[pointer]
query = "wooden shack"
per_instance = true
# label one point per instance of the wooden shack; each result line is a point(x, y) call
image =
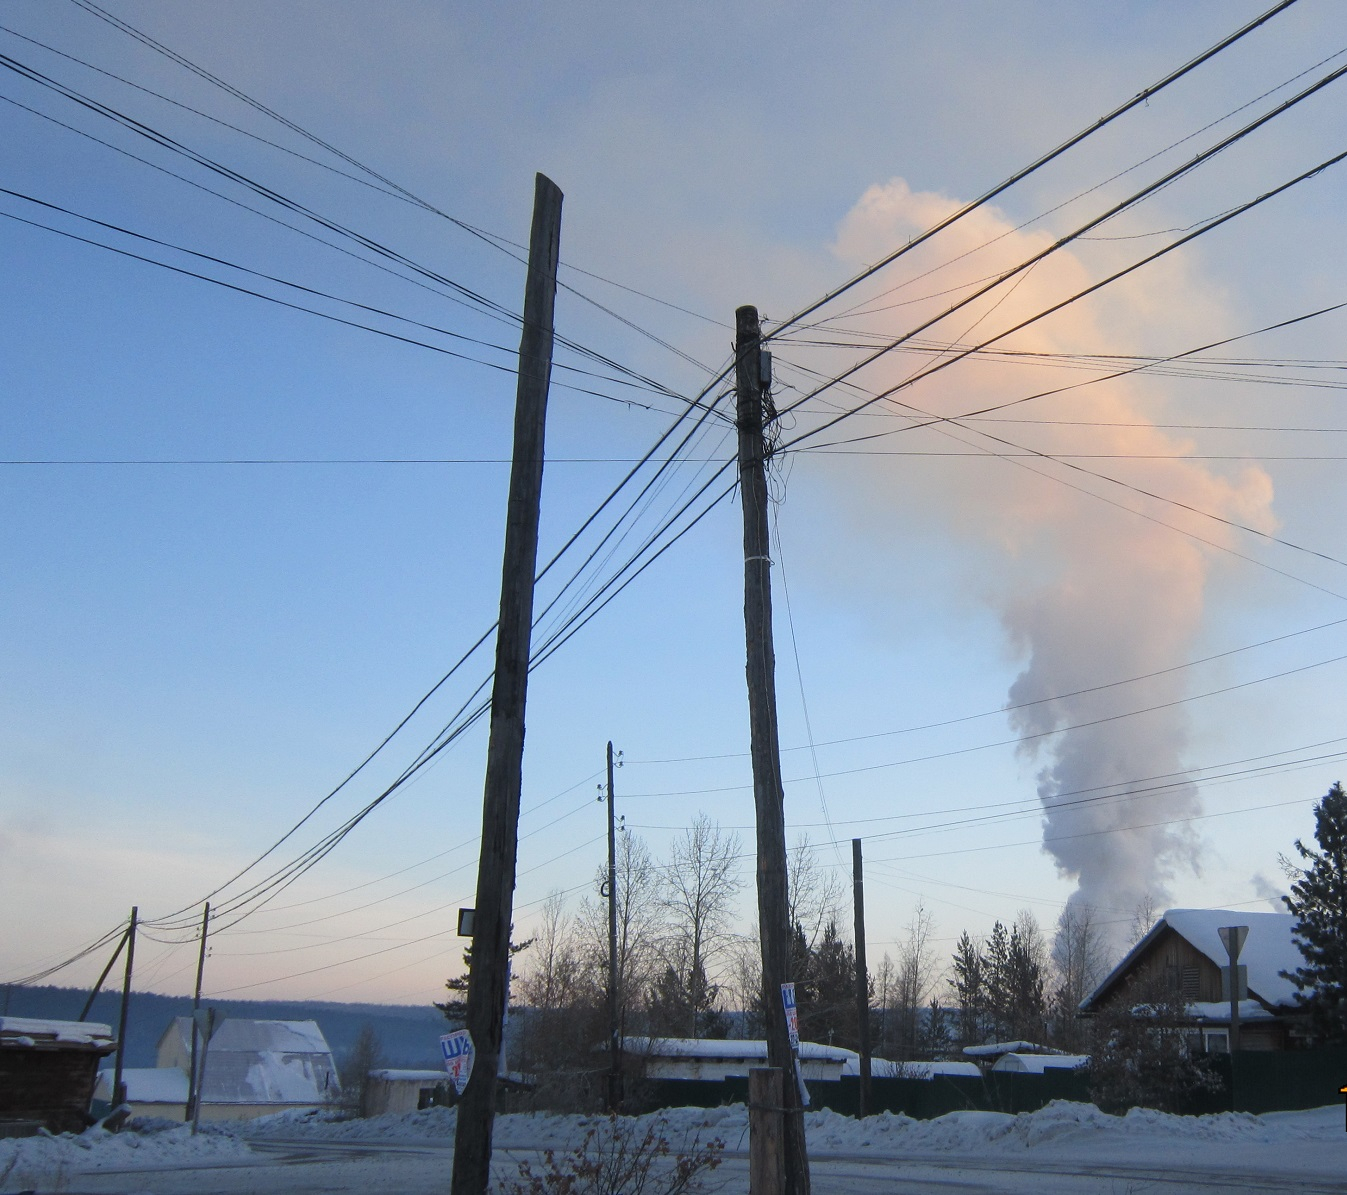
point(48, 1070)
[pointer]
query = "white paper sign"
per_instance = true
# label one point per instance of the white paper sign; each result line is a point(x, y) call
point(792, 1017)
point(459, 1053)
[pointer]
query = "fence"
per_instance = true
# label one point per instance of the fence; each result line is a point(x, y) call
point(1255, 1081)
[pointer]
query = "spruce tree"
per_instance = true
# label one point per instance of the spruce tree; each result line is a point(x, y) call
point(1319, 901)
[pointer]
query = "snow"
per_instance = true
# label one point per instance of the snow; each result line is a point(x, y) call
point(395, 1076)
point(882, 1068)
point(997, 1048)
point(1036, 1064)
point(1219, 1011)
point(74, 1032)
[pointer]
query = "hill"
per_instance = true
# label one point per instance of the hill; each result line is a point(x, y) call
point(409, 1033)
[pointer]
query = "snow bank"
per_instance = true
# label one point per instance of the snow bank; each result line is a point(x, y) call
point(151, 1143)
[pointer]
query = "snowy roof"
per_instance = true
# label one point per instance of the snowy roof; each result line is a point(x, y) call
point(264, 1062)
point(147, 1085)
point(395, 1076)
point(994, 1049)
point(31, 1031)
point(1269, 949)
point(705, 1047)
point(1036, 1064)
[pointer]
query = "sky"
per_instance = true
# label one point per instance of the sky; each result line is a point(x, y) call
point(1086, 647)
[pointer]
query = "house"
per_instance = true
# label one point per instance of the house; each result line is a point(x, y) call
point(47, 1072)
point(1185, 950)
point(253, 1068)
point(399, 1091)
point(716, 1059)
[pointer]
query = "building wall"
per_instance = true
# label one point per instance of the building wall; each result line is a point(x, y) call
point(51, 1085)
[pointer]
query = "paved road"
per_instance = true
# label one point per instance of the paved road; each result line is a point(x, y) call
point(410, 1168)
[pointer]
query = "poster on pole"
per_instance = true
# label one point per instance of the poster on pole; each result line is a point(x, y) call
point(792, 1017)
point(459, 1053)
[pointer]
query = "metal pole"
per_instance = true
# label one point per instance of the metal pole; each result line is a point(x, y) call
point(862, 978)
point(614, 979)
point(487, 974)
point(189, 1112)
point(768, 795)
point(118, 1087)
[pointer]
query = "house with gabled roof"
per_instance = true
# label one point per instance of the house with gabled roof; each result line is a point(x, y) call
point(1184, 949)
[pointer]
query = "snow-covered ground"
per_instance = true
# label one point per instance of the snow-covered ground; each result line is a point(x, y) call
point(1064, 1147)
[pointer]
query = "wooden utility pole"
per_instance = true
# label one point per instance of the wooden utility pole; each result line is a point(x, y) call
point(118, 1087)
point(614, 978)
point(752, 415)
point(862, 977)
point(98, 987)
point(488, 972)
point(189, 1111)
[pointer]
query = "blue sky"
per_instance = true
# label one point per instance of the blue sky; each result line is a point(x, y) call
point(194, 654)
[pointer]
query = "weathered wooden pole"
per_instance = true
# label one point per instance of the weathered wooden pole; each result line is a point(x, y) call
point(862, 978)
point(189, 1111)
point(118, 1087)
point(614, 974)
point(488, 973)
point(766, 1150)
point(769, 798)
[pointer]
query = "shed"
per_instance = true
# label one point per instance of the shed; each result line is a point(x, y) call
point(150, 1090)
point(47, 1070)
point(1185, 949)
point(1036, 1064)
point(254, 1068)
point(400, 1091)
point(715, 1058)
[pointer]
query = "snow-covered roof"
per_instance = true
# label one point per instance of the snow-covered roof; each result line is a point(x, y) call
point(396, 1076)
point(1219, 1011)
point(31, 1031)
point(239, 1033)
point(1036, 1064)
point(146, 1085)
point(705, 1047)
point(994, 1049)
point(1269, 949)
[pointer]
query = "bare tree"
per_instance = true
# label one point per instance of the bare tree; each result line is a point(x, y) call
point(1080, 961)
point(366, 1054)
point(817, 894)
point(696, 899)
point(915, 977)
point(884, 982)
point(560, 993)
point(1144, 916)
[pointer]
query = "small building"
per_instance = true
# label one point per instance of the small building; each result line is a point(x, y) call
point(1036, 1064)
point(395, 1091)
point(254, 1068)
point(158, 1091)
point(47, 1071)
point(1185, 950)
point(714, 1058)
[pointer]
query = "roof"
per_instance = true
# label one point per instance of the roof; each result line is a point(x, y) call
point(707, 1047)
point(239, 1033)
point(34, 1031)
point(396, 1076)
point(1036, 1064)
point(147, 1085)
point(1269, 949)
point(994, 1049)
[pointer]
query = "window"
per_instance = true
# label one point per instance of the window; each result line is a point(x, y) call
point(1218, 1041)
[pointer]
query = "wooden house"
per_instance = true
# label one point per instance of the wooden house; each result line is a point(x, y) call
point(1185, 951)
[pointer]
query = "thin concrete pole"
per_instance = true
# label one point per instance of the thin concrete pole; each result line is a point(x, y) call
point(118, 1087)
point(768, 795)
point(189, 1112)
point(488, 974)
point(614, 978)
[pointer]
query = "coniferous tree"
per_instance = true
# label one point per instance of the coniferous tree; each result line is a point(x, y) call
point(1319, 901)
point(970, 989)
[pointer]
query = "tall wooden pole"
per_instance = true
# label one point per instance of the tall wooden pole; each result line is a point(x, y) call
point(118, 1087)
point(768, 795)
point(488, 973)
point(614, 978)
point(192, 1093)
point(862, 977)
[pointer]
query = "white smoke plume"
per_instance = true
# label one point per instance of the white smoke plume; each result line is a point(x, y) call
point(1088, 593)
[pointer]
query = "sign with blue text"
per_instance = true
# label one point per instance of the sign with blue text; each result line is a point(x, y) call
point(792, 1017)
point(459, 1053)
